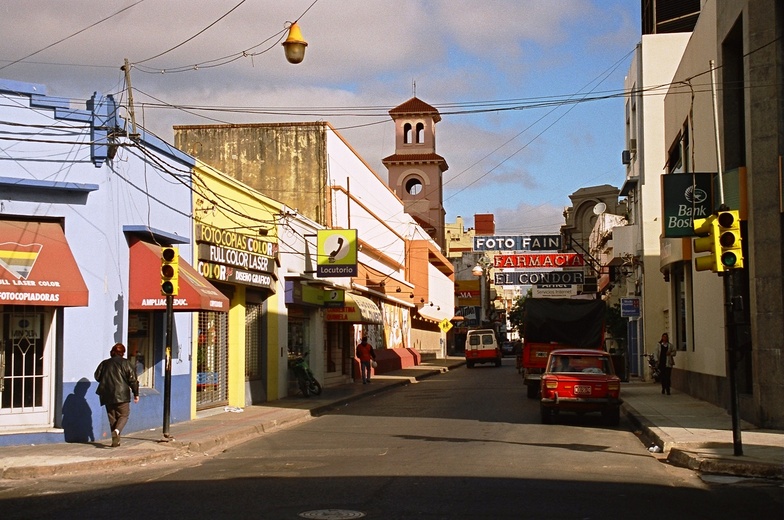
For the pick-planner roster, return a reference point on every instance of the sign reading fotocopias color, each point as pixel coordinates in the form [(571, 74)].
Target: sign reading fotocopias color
[(228, 256)]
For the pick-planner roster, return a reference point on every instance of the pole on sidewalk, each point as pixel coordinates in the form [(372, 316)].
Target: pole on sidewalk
[(167, 366), (731, 300)]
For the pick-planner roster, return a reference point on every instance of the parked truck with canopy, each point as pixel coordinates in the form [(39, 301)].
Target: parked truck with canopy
[(557, 323)]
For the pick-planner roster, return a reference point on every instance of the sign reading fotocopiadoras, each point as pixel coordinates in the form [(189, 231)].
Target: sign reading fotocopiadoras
[(233, 257)]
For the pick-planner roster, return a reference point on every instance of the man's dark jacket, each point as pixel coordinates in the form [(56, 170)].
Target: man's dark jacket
[(116, 379)]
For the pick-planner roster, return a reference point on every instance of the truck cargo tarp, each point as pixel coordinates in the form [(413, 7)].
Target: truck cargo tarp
[(577, 323)]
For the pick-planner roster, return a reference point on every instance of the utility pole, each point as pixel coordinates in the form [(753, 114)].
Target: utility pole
[(732, 285)]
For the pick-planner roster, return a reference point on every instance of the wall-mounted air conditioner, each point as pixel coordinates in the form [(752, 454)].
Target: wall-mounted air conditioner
[(626, 157)]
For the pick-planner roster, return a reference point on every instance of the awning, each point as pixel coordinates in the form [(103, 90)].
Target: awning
[(195, 292), (356, 309), (37, 266)]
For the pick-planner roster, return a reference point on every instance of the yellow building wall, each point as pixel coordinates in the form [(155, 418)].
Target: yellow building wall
[(226, 203)]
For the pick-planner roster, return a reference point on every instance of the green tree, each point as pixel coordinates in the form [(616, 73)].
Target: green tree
[(516, 313), (615, 323)]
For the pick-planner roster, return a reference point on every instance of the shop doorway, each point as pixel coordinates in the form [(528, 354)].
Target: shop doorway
[(212, 360), (26, 366)]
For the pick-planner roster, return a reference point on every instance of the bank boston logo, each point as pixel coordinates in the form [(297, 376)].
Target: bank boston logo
[(695, 195)]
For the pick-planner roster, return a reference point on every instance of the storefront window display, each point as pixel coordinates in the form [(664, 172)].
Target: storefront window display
[(140, 346)]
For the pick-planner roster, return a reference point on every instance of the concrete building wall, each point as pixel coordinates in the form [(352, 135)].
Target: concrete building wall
[(689, 105), (284, 161), (653, 65), (761, 23)]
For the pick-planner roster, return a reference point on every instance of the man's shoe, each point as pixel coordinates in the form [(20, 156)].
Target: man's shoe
[(115, 438)]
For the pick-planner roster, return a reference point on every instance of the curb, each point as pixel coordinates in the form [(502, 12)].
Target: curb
[(723, 466)]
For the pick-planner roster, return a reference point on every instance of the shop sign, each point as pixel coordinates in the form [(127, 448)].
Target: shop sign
[(686, 196), (538, 260), (553, 291), (337, 253), (517, 243), (238, 258), (630, 307), (538, 278)]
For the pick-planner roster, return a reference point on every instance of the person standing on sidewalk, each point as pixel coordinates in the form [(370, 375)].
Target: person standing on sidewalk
[(366, 355), (665, 357), (116, 378)]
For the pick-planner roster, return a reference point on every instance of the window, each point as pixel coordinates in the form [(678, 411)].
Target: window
[(420, 133), (253, 323), (140, 346), (414, 186), (24, 357), (407, 131), (678, 278)]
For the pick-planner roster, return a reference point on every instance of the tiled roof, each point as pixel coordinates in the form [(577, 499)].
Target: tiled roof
[(415, 106), (413, 158)]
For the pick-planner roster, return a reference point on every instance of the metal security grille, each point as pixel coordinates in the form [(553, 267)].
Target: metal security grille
[(212, 363), (23, 376), (252, 341)]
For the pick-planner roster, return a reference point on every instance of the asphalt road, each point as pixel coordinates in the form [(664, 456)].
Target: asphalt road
[(465, 444)]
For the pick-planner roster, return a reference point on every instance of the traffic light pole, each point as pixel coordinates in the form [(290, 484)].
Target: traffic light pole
[(731, 299), (168, 366)]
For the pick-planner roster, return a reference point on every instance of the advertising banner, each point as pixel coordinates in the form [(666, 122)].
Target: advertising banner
[(337, 253), (685, 196)]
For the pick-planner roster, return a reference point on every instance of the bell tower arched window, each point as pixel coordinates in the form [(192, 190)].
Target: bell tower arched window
[(420, 133), (407, 133)]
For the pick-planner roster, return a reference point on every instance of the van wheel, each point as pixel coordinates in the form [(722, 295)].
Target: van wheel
[(498, 362), (470, 364), (533, 391)]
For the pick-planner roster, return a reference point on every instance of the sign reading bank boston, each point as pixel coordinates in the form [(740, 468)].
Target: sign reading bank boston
[(228, 256)]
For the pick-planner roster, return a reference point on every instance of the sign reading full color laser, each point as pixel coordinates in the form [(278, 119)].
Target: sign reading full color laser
[(239, 258)]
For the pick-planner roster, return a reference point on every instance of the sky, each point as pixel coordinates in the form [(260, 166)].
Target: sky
[(530, 91)]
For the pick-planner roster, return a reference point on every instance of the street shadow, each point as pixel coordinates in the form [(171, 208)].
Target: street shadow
[(77, 415)]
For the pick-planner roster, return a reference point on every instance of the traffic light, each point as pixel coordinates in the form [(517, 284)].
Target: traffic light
[(170, 271), (731, 256), (708, 242)]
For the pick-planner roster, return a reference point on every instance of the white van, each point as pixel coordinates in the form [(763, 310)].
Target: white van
[(482, 347)]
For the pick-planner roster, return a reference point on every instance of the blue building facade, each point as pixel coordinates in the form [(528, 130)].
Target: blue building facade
[(84, 210)]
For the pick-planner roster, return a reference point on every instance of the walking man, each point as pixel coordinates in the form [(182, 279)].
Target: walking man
[(116, 380), (366, 354)]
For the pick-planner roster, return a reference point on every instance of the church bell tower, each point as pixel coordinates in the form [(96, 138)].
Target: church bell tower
[(415, 169)]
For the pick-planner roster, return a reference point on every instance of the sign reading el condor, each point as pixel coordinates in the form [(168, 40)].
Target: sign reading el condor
[(538, 260), (538, 278)]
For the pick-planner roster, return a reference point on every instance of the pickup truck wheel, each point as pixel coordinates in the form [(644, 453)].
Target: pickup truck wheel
[(547, 415), (532, 392)]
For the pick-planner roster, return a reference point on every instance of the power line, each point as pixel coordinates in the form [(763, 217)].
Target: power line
[(72, 35)]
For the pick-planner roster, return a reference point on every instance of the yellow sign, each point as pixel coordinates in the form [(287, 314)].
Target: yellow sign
[(337, 253), (445, 325)]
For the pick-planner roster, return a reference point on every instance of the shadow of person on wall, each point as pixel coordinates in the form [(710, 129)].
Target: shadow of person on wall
[(77, 415)]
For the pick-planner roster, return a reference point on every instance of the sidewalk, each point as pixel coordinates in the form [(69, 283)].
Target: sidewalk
[(691, 433)]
